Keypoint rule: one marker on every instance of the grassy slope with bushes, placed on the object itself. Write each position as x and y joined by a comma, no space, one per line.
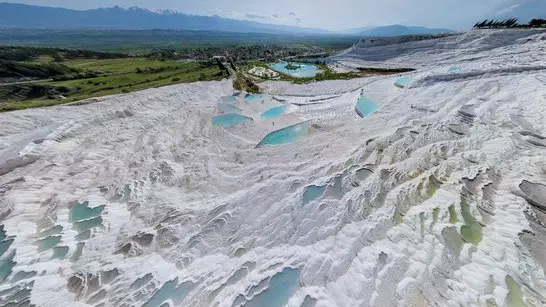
78,77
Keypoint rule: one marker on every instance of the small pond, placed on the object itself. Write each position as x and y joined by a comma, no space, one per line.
298,70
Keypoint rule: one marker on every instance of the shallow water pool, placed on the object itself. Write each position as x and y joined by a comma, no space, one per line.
281,287
365,106
84,226
170,291
59,252
403,82
286,135
4,246
6,268
80,212
229,119
304,70
228,108
275,112
312,192
230,99
48,242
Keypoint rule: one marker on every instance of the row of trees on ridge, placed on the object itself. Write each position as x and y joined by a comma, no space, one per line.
509,23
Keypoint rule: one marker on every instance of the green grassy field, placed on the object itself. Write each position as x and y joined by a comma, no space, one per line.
122,65
138,41
115,76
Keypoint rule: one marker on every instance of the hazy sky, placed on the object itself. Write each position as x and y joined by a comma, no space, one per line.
328,14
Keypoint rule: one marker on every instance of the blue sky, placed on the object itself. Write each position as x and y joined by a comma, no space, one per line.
327,14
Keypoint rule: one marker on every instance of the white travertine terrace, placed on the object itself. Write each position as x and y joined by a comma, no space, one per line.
436,199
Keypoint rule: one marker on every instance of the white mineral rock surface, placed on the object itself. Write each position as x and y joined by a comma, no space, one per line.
436,199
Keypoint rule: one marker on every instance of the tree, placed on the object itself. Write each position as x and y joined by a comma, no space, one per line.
495,24
537,23
512,22
57,57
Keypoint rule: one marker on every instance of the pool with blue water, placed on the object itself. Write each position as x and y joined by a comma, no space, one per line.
403,82
365,106
82,211
275,112
85,225
6,267
228,108
281,287
286,135
229,119
170,291
311,193
48,242
230,99
304,70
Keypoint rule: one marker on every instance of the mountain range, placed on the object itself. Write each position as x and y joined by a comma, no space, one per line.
24,16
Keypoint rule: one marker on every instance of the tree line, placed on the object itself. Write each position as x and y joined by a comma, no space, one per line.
509,23
16,53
